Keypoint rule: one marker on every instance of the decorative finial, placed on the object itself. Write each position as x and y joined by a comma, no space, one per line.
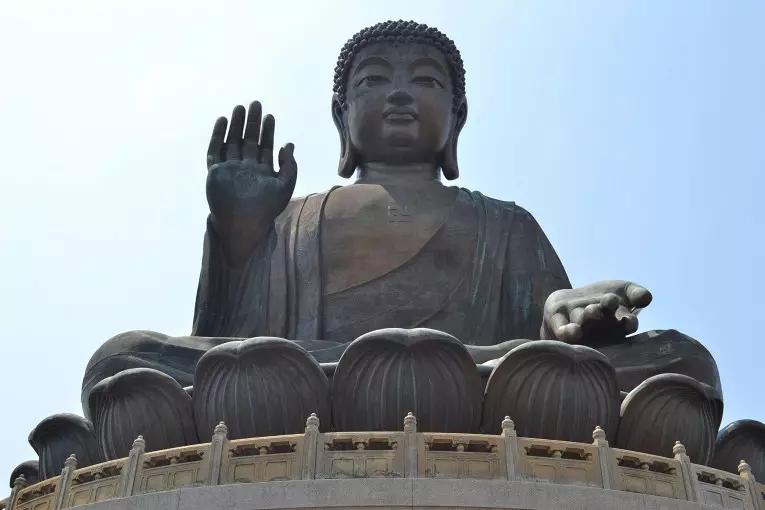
220,430
679,449
598,434
71,462
410,422
744,469
20,482
312,421
139,443
508,424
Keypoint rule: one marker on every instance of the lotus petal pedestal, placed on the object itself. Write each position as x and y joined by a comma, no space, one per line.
141,401
741,440
668,408
57,437
259,387
553,390
388,373
30,469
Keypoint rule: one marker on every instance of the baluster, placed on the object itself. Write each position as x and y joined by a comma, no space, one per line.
310,447
606,456
218,447
410,446
745,472
64,483
689,477
130,471
512,457
19,484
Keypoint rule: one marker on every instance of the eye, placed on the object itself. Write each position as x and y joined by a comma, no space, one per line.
372,80
427,81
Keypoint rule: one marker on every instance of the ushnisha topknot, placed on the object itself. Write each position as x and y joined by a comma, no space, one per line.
402,32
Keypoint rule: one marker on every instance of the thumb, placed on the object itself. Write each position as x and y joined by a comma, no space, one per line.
287,163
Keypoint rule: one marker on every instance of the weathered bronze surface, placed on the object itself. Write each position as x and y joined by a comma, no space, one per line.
395,249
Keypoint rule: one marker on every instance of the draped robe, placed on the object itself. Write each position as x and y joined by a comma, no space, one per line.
483,277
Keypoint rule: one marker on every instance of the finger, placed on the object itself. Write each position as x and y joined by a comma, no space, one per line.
638,296
576,315
267,140
610,303
287,164
557,322
252,131
216,142
564,330
592,312
570,333
627,320
234,138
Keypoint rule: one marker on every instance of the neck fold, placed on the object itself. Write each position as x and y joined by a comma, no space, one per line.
382,173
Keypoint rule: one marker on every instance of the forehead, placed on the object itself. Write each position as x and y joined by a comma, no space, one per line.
400,54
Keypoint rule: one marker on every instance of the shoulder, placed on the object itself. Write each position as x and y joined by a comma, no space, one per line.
518,212
297,204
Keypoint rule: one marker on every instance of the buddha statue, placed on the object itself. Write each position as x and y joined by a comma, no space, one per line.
467,284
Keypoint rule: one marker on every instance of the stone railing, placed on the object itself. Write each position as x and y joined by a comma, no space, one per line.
407,454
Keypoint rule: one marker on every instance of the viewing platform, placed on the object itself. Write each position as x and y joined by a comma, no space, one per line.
403,469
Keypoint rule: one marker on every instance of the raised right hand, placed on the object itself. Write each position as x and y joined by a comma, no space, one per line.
243,190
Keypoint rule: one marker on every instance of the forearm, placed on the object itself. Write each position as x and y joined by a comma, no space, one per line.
239,236
233,301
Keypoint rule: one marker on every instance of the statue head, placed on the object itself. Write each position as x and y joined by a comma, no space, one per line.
399,98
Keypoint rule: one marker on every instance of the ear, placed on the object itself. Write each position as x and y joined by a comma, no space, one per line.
448,158
348,163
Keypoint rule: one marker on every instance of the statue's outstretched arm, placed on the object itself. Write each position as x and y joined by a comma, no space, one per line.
246,196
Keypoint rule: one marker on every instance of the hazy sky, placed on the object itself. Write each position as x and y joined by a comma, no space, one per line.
633,131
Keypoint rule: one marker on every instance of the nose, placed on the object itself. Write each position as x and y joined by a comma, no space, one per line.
400,97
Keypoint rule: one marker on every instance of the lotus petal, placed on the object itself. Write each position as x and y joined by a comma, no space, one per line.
553,390
741,440
260,387
667,408
141,401
387,373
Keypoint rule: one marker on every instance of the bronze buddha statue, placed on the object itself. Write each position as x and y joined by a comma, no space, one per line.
395,249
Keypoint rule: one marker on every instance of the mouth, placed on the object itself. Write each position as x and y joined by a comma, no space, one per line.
399,115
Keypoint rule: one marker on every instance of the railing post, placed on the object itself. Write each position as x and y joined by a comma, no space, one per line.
686,470
410,446
129,472
64,482
310,447
19,484
745,472
512,457
218,447
607,461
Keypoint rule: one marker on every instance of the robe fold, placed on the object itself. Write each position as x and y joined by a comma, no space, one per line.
483,277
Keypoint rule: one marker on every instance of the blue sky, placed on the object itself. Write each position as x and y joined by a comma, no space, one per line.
633,131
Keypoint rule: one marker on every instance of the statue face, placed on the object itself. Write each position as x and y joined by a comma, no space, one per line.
399,104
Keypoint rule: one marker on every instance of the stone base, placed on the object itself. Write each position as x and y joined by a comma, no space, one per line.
395,493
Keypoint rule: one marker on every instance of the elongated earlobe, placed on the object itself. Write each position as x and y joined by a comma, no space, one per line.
348,162
448,158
